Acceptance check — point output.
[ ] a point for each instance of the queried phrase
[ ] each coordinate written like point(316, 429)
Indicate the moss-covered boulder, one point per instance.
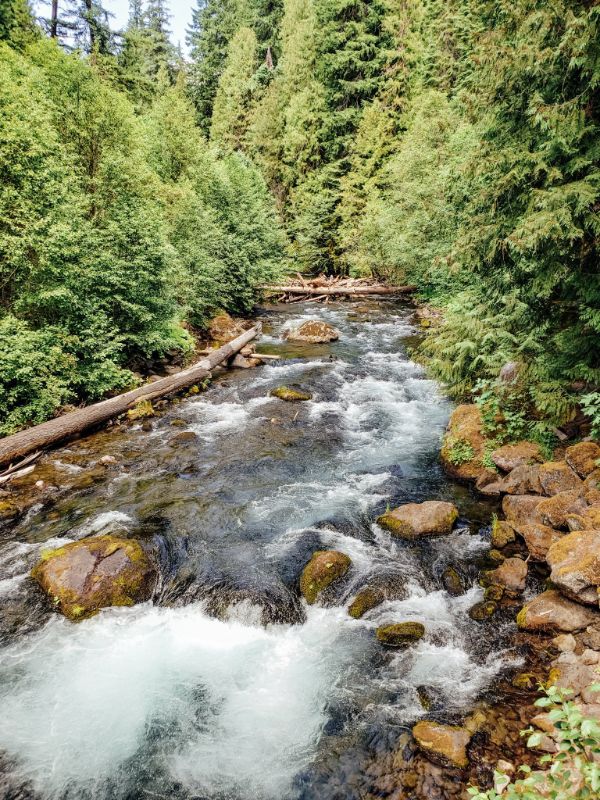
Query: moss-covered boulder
point(554, 511)
point(521, 509)
point(314, 332)
point(400, 634)
point(583, 458)
point(538, 539)
point(290, 395)
point(557, 476)
point(575, 564)
point(223, 328)
point(364, 601)
point(503, 533)
point(325, 567)
point(511, 456)
point(482, 611)
point(453, 581)
point(83, 577)
point(552, 612)
point(443, 744)
point(591, 487)
point(463, 447)
point(413, 520)
point(585, 520)
point(524, 479)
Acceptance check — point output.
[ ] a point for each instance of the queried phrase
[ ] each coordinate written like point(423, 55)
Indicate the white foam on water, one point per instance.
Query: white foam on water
point(247, 703)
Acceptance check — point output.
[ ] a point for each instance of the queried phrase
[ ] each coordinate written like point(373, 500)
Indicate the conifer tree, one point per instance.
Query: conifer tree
point(232, 101)
point(161, 53)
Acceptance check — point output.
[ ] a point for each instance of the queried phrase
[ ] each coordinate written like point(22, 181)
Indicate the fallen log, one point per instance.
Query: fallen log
point(76, 422)
point(341, 290)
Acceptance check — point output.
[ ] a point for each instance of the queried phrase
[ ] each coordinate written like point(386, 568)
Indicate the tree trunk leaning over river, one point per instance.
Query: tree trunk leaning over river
point(57, 430)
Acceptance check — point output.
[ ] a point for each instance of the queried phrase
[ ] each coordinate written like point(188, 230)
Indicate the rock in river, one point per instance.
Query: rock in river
point(325, 567)
point(290, 395)
point(400, 634)
point(443, 744)
point(364, 601)
point(410, 521)
point(550, 611)
point(511, 575)
point(314, 331)
point(83, 577)
point(463, 448)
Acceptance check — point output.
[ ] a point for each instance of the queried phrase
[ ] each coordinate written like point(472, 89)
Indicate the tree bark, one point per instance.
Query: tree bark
point(54, 20)
point(76, 422)
point(346, 290)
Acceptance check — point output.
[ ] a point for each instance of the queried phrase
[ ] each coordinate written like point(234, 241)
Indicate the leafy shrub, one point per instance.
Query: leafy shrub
point(460, 451)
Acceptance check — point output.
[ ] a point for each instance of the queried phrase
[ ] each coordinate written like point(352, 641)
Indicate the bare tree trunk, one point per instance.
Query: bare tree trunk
point(54, 20)
point(341, 290)
point(76, 422)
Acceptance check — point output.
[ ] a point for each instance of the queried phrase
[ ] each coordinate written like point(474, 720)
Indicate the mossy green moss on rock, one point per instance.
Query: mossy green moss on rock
point(364, 601)
point(314, 331)
point(290, 395)
point(502, 533)
point(463, 448)
point(550, 611)
point(482, 611)
point(83, 577)
point(325, 567)
point(453, 582)
point(410, 521)
point(400, 634)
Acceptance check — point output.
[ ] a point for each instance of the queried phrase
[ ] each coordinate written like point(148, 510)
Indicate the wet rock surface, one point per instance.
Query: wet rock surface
point(313, 332)
point(413, 520)
point(400, 634)
point(446, 744)
point(463, 447)
point(322, 570)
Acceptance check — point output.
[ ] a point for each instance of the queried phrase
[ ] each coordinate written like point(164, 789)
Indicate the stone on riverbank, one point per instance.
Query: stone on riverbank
point(524, 479)
point(325, 567)
point(538, 539)
point(550, 611)
point(591, 487)
point(463, 447)
point(443, 744)
point(583, 458)
point(314, 332)
point(290, 395)
point(557, 476)
point(554, 511)
point(503, 533)
point(575, 564)
point(511, 456)
point(83, 577)
point(521, 509)
point(511, 575)
point(413, 520)
point(400, 634)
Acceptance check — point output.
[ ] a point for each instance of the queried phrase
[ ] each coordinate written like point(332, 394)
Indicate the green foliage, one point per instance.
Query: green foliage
point(591, 406)
point(460, 451)
point(573, 773)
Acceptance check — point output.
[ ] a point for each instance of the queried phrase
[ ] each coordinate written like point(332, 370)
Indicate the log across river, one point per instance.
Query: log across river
point(226, 686)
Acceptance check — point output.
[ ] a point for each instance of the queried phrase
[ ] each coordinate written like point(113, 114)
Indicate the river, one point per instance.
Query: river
point(226, 686)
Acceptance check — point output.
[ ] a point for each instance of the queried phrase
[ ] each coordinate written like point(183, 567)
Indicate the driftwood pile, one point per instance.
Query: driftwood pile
point(323, 288)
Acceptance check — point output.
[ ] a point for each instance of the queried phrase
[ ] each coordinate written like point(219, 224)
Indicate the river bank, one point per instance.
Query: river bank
point(234, 490)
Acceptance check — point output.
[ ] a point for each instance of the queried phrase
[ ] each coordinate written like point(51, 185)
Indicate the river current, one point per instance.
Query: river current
point(227, 686)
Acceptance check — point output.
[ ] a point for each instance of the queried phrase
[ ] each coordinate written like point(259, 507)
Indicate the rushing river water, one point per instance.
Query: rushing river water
point(227, 687)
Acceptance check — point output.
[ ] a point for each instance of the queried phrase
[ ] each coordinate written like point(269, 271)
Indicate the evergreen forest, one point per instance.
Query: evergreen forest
point(449, 144)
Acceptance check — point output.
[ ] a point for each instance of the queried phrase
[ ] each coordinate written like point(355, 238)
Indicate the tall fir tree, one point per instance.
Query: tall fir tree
point(230, 116)
point(161, 52)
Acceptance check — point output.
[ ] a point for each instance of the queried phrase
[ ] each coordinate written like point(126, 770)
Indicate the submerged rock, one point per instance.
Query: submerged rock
point(550, 611)
point(557, 476)
point(482, 611)
point(325, 567)
point(83, 577)
point(400, 634)
point(410, 521)
point(463, 447)
point(453, 582)
point(511, 456)
point(314, 332)
point(575, 564)
point(583, 458)
point(443, 744)
point(290, 395)
point(364, 601)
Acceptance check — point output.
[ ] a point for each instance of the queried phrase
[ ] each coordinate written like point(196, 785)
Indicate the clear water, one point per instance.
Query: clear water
point(226, 687)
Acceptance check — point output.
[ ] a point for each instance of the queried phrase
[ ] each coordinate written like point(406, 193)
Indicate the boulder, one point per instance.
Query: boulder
point(325, 567)
point(463, 447)
point(400, 634)
point(453, 582)
point(410, 521)
point(557, 476)
point(314, 332)
point(83, 577)
point(503, 533)
point(223, 328)
point(538, 539)
point(576, 676)
point(290, 395)
point(511, 574)
point(482, 611)
point(591, 487)
point(185, 437)
point(489, 483)
point(521, 509)
point(511, 456)
point(524, 479)
point(553, 511)
point(583, 458)
point(443, 744)
point(550, 611)
point(575, 564)
point(364, 601)
point(587, 520)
